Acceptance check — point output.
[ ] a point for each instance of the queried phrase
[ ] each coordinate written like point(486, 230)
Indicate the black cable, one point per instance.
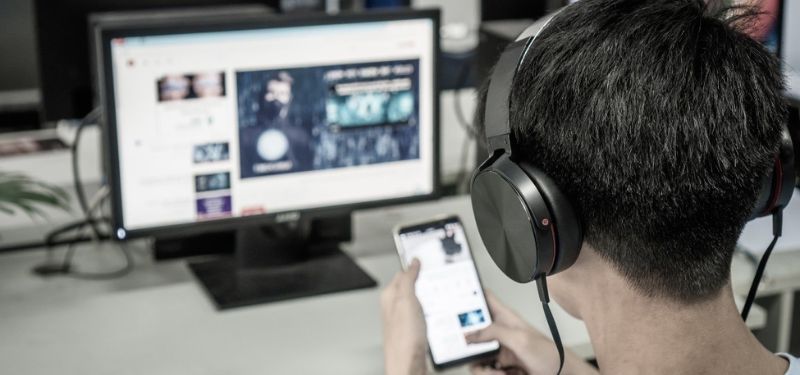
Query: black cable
point(467, 125)
point(124, 270)
point(65, 268)
point(70, 271)
point(544, 296)
point(79, 192)
point(52, 239)
point(463, 176)
point(461, 84)
point(777, 229)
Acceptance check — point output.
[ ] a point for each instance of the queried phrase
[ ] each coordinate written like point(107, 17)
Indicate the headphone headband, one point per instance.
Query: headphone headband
point(496, 120)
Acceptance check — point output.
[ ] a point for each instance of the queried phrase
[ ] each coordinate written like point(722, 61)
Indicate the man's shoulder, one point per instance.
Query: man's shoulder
point(794, 364)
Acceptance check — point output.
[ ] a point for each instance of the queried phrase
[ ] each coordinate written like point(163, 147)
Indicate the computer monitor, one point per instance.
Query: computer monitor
point(768, 25)
point(790, 50)
point(244, 122)
point(62, 37)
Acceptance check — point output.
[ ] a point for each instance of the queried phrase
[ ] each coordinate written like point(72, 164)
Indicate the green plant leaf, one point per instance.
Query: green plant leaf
point(19, 192)
point(6, 209)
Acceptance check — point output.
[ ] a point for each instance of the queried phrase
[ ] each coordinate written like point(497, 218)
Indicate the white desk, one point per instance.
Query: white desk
point(157, 320)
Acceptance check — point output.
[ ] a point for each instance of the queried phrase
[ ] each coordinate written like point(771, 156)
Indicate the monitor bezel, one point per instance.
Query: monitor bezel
point(779, 23)
point(106, 33)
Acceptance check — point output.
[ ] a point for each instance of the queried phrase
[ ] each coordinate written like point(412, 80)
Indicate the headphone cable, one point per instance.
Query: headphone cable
point(777, 229)
point(544, 296)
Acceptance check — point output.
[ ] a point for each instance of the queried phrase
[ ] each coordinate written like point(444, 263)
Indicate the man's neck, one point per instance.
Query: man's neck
point(632, 334)
point(635, 334)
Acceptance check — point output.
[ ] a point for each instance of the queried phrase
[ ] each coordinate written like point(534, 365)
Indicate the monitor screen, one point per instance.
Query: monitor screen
point(767, 28)
point(790, 50)
point(218, 125)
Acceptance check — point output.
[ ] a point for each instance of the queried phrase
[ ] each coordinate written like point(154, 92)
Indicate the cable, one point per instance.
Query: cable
point(777, 229)
point(544, 296)
point(463, 77)
point(124, 270)
point(50, 267)
point(52, 239)
point(462, 180)
point(69, 271)
point(65, 268)
point(469, 128)
point(91, 117)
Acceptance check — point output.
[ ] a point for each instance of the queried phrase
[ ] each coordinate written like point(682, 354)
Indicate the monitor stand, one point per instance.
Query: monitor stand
point(280, 262)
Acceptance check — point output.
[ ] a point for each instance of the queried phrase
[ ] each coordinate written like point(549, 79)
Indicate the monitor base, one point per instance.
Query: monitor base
point(277, 264)
point(231, 287)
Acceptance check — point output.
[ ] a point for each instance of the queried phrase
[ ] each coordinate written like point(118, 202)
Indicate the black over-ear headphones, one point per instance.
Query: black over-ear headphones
point(528, 226)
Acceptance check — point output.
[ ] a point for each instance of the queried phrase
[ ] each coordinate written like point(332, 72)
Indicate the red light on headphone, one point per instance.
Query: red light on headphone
point(545, 221)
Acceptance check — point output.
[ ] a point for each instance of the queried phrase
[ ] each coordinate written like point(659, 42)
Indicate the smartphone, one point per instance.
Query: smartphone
point(448, 288)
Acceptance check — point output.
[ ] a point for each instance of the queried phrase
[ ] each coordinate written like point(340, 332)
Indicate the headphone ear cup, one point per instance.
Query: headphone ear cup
point(569, 230)
point(778, 186)
point(513, 220)
point(788, 168)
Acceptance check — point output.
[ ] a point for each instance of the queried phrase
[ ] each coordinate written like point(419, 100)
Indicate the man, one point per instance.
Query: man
point(281, 139)
point(658, 120)
point(277, 99)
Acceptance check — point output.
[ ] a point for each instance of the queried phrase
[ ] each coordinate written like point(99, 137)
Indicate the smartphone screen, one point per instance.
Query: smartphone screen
point(448, 288)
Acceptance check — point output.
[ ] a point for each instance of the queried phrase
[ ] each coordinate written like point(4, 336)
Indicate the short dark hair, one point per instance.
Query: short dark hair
point(658, 120)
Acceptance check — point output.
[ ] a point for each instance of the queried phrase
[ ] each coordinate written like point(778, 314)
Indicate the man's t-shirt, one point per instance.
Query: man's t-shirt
point(794, 364)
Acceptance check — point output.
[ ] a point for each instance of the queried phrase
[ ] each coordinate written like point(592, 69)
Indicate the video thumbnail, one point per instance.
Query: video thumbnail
point(212, 182)
point(471, 318)
point(371, 103)
point(438, 246)
point(211, 152)
point(302, 119)
point(451, 246)
point(176, 87)
point(214, 207)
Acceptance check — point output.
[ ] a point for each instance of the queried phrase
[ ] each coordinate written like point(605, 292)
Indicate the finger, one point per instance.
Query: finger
point(479, 369)
point(409, 277)
point(495, 305)
point(390, 290)
point(506, 359)
point(501, 312)
point(413, 269)
point(508, 337)
point(395, 281)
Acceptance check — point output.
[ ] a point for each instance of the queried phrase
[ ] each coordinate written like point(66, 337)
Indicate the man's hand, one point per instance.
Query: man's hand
point(404, 341)
point(523, 349)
